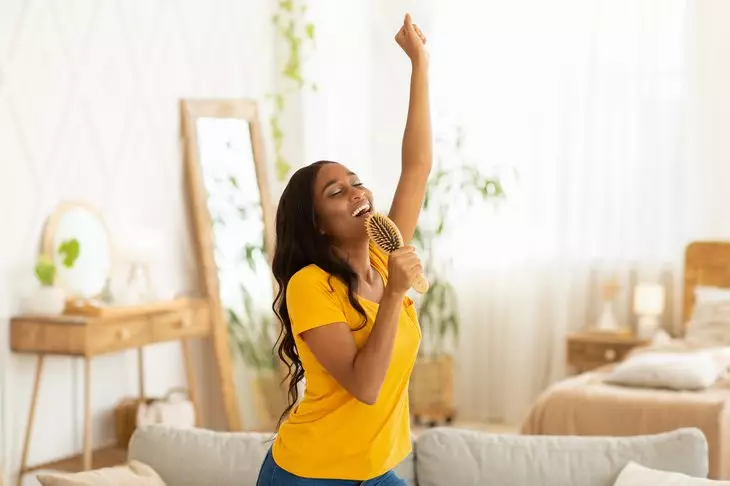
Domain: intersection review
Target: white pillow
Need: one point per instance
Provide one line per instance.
(709, 324)
(677, 371)
(133, 473)
(706, 293)
(637, 475)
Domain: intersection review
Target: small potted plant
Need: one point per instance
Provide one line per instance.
(50, 299)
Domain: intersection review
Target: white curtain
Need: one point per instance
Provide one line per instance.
(585, 100)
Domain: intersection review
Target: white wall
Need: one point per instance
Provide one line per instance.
(89, 110)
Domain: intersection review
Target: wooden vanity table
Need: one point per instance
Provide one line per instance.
(108, 331)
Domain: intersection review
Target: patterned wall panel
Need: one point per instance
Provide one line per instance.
(88, 110)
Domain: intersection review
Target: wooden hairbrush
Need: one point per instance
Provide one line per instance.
(384, 233)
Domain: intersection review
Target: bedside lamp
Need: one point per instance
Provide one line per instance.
(648, 305)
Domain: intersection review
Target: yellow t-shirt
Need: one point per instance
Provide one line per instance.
(330, 434)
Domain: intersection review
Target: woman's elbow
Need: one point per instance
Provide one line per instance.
(367, 400)
(368, 397)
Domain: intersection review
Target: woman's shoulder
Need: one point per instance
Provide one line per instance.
(308, 275)
(312, 279)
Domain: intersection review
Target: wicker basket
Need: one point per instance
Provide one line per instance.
(125, 414)
(431, 392)
(125, 419)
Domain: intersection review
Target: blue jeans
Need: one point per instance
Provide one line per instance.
(272, 475)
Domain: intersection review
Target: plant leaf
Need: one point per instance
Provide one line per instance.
(279, 101)
(70, 251)
(45, 270)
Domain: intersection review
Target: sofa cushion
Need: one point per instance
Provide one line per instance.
(193, 457)
(447, 457)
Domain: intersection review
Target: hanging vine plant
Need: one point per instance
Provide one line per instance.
(292, 27)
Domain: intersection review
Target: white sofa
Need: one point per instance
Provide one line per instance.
(442, 457)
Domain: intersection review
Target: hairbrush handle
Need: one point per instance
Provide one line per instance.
(421, 284)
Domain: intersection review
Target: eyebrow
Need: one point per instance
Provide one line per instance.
(335, 181)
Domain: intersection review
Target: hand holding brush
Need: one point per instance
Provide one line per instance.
(384, 233)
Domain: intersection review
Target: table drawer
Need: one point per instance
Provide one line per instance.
(185, 323)
(601, 353)
(586, 355)
(115, 336)
(40, 337)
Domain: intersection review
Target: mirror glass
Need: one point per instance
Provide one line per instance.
(245, 283)
(88, 274)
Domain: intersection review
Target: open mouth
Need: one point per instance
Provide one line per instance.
(361, 210)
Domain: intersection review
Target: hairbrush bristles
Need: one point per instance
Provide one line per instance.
(383, 231)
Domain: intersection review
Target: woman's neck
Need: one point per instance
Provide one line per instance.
(358, 256)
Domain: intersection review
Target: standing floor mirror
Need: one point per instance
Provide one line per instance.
(233, 233)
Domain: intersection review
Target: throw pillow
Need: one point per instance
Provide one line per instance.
(706, 293)
(677, 371)
(134, 473)
(637, 475)
(709, 324)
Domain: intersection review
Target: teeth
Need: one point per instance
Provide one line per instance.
(361, 209)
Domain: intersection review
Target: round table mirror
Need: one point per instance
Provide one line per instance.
(77, 232)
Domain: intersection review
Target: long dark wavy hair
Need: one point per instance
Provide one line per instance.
(299, 243)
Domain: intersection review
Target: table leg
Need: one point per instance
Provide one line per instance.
(190, 376)
(87, 413)
(31, 417)
(140, 370)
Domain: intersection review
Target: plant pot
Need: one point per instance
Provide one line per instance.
(431, 390)
(46, 301)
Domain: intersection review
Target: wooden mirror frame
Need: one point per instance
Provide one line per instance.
(51, 227)
(243, 109)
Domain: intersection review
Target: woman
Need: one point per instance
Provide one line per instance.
(348, 327)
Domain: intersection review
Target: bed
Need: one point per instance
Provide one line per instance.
(587, 405)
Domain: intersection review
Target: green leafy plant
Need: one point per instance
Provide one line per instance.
(296, 34)
(250, 330)
(251, 334)
(70, 251)
(454, 180)
(45, 269)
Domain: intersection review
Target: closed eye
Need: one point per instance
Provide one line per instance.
(340, 190)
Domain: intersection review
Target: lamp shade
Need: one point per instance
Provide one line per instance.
(648, 299)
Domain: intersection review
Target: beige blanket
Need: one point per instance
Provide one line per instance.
(584, 405)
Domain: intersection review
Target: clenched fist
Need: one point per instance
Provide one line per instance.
(404, 267)
(412, 41)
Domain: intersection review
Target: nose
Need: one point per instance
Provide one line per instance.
(358, 195)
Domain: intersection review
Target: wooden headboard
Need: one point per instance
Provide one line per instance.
(705, 263)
